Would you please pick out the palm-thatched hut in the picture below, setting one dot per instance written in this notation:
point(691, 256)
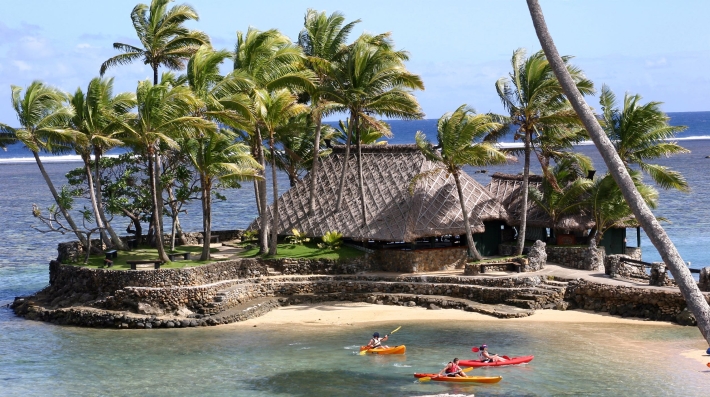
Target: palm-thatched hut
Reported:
point(394, 215)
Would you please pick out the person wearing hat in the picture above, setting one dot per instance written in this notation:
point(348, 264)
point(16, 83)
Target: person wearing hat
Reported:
point(487, 357)
point(376, 341)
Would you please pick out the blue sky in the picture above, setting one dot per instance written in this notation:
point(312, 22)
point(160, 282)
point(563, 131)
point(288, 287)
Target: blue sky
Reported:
point(659, 49)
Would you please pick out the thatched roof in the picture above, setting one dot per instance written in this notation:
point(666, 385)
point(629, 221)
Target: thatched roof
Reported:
point(507, 189)
point(393, 213)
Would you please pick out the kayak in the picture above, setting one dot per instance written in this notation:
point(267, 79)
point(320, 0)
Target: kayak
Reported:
point(509, 361)
point(468, 379)
point(385, 350)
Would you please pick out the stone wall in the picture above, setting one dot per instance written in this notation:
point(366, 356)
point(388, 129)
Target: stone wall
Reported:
point(420, 260)
point(583, 258)
point(616, 268)
point(321, 266)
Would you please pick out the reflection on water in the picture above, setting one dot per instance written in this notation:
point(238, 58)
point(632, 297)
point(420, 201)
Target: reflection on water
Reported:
point(570, 359)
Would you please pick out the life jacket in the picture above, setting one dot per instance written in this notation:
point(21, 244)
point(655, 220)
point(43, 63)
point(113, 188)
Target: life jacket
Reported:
point(483, 358)
point(375, 342)
point(452, 368)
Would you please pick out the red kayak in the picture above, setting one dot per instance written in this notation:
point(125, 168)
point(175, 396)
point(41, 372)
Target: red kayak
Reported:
point(508, 361)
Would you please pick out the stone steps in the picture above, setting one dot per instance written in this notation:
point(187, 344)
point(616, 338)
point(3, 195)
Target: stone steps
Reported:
point(244, 311)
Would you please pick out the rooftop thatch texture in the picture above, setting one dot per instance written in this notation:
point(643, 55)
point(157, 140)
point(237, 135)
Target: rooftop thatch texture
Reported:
point(393, 213)
point(506, 188)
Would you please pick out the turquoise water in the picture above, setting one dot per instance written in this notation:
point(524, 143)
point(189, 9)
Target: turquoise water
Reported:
point(39, 359)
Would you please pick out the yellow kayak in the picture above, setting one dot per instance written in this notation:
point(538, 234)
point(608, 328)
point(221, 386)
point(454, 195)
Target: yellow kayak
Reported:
point(384, 350)
point(475, 379)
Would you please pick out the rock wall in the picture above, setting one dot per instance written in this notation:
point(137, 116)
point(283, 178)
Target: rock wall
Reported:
point(420, 260)
point(583, 258)
point(615, 268)
point(321, 266)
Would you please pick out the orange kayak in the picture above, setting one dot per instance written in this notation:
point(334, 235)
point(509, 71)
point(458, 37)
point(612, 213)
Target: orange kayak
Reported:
point(385, 350)
point(468, 379)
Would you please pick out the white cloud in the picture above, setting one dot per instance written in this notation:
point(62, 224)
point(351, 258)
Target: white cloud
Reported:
point(22, 66)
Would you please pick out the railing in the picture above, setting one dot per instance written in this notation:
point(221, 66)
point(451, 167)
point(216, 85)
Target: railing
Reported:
point(634, 262)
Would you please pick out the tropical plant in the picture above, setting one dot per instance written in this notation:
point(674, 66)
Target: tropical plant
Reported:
point(372, 80)
point(272, 62)
point(688, 287)
point(164, 114)
point(460, 141)
point(323, 40)
point(297, 238)
point(94, 120)
point(368, 135)
point(541, 114)
point(640, 133)
point(165, 39)
point(216, 157)
point(249, 235)
point(7, 136)
point(331, 240)
point(43, 119)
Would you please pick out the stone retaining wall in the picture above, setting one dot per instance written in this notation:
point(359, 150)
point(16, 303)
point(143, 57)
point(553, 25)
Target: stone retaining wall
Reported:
point(420, 260)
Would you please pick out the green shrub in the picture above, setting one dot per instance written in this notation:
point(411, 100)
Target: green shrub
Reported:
point(249, 235)
point(298, 238)
point(331, 240)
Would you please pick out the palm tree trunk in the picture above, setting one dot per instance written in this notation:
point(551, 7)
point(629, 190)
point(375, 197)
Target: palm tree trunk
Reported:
point(275, 192)
point(117, 242)
point(472, 251)
point(155, 191)
point(261, 194)
point(344, 173)
point(92, 199)
point(314, 167)
point(524, 205)
point(363, 208)
point(65, 213)
point(206, 217)
point(695, 300)
point(256, 196)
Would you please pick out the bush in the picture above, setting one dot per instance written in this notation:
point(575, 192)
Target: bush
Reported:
point(298, 238)
point(331, 240)
point(249, 235)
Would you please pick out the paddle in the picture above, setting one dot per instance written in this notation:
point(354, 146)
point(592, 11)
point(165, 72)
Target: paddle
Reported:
point(428, 378)
point(363, 352)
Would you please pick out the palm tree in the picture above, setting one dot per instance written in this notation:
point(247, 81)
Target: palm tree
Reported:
point(43, 119)
point(688, 287)
point(94, 120)
point(166, 41)
point(217, 157)
point(164, 114)
point(323, 40)
point(272, 62)
point(372, 80)
point(640, 133)
point(274, 109)
point(460, 142)
point(368, 134)
point(537, 107)
point(7, 136)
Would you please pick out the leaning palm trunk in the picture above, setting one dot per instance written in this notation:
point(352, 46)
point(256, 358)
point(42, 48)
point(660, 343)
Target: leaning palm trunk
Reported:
point(261, 197)
point(345, 165)
point(117, 242)
point(524, 205)
point(94, 204)
point(275, 207)
point(695, 300)
point(314, 167)
point(155, 191)
point(65, 213)
point(472, 251)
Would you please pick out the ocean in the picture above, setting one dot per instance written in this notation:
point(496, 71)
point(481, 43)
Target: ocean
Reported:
point(44, 359)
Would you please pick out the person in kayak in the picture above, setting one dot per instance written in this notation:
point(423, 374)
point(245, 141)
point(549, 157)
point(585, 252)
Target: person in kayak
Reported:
point(452, 369)
point(487, 357)
point(376, 341)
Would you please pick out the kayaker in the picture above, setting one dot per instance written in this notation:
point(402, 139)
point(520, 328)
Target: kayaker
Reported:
point(487, 357)
point(376, 341)
point(453, 369)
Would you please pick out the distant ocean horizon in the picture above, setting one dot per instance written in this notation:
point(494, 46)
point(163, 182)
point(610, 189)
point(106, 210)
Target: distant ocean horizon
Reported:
point(698, 124)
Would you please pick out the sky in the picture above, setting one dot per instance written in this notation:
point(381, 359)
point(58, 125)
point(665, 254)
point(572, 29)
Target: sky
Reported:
point(658, 49)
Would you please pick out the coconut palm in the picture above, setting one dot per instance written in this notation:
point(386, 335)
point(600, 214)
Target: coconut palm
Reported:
point(688, 287)
point(541, 115)
point(273, 110)
point(164, 114)
point(640, 133)
point(165, 39)
point(217, 158)
point(94, 118)
point(43, 118)
point(460, 142)
point(7, 136)
point(372, 80)
point(323, 40)
point(368, 135)
point(272, 62)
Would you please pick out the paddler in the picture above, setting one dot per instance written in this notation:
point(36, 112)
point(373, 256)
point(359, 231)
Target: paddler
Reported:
point(376, 341)
point(487, 357)
point(452, 369)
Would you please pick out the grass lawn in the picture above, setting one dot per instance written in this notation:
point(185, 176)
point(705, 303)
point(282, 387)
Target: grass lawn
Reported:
point(308, 250)
point(147, 253)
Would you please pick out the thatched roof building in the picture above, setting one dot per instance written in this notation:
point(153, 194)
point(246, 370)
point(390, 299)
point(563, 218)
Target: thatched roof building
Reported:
point(393, 214)
point(506, 188)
